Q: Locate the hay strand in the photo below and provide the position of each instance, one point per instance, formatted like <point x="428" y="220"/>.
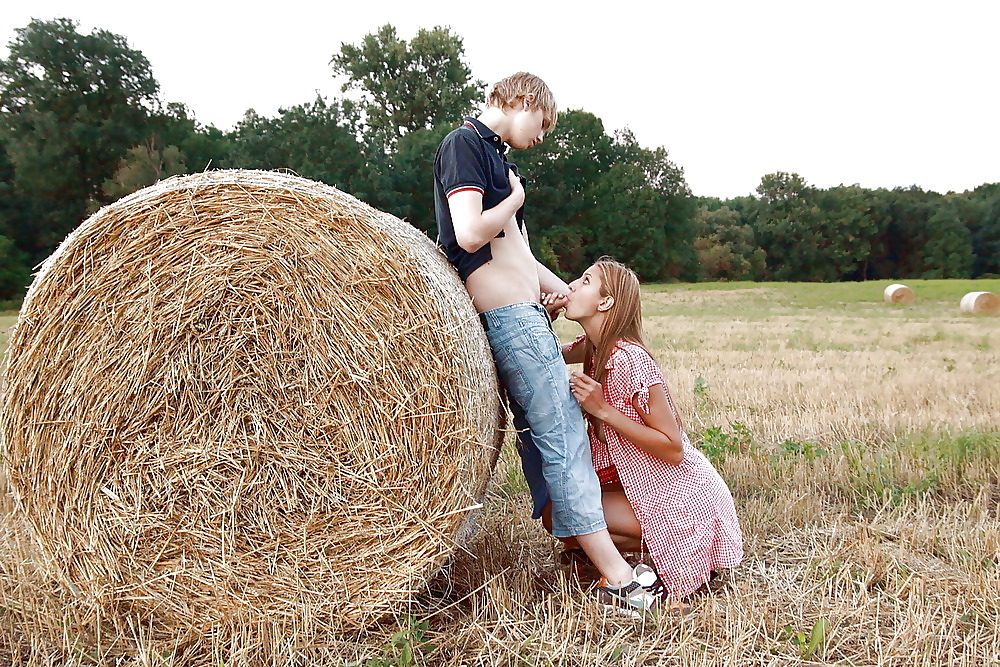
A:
<point x="242" y="399"/>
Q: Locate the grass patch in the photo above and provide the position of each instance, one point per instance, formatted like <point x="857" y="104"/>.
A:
<point x="7" y="320"/>
<point x="862" y="445"/>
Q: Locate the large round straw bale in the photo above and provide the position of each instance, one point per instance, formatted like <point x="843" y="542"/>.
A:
<point x="897" y="293"/>
<point x="246" y="395"/>
<point x="981" y="303"/>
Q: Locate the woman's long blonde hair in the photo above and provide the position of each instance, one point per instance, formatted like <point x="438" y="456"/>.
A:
<point x="624" y="319"/>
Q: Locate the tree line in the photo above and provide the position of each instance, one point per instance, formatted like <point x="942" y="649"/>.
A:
<point x="82" y="123"/>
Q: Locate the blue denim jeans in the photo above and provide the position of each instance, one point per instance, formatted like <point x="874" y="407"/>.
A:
<point x="552" y="435"/>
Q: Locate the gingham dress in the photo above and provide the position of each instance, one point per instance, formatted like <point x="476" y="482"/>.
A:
<point x="685" y="510"/>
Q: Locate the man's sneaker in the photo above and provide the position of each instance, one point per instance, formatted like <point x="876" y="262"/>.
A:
<point x="637" y="597"/>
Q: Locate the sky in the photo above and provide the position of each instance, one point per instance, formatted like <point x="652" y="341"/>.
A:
<point x="882" y="93"/>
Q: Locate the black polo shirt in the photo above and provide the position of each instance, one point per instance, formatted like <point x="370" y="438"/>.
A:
<point x="472" y="157"/>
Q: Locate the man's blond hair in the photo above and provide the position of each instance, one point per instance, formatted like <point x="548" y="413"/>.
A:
<point x="509" y="91"/>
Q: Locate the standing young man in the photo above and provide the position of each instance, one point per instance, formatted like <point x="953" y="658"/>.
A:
<point x="479" y="198"/>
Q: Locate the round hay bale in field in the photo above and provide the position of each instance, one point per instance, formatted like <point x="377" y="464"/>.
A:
<point x="897" y="293"/>
<point x="242" y="395"/>
<point x="980" y="303"/>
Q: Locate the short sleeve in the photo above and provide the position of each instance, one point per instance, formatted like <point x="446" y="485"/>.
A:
<point x="459" y="164"/>
<point x="634" y="373"/>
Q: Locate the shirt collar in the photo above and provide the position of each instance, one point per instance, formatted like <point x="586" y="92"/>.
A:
<point x="486" y="134"/>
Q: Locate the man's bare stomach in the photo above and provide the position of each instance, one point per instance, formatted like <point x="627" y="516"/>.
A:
<point x="510" y="277"/>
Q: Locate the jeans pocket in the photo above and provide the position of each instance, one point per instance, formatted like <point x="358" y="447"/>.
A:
<point x="543" y="341"/>
<point x="512" y="375"/>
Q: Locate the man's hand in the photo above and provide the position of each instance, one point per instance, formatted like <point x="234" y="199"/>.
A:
<point x="516" y="189"/>
<point x="554" y="303"/>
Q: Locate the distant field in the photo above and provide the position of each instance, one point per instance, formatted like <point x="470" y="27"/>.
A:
<point x="7" y="320"/>
<point x="862" y="444"/>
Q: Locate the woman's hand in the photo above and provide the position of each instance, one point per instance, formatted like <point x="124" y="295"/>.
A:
<point x="588" y="393"/>
<point x="554" y="303"/>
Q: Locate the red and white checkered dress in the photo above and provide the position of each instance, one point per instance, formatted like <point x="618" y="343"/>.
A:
<point x="685" y="510"/>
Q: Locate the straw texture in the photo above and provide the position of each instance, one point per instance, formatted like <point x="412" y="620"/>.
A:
<point x="897" y="293"/>
<point x="980" y="303"/>
<point x="245" y="399"/>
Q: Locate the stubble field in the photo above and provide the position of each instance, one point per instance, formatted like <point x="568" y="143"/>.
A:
<point x="862" y="445"/>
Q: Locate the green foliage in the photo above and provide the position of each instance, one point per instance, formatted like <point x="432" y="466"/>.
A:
<point x="727" y="249"/>
<point x="791" y="451"/>
<point x="716" y="444"/>
<point x="15" y="272"/>
<point x="406" y="86"/>
<point x="70" y="106"/>
<point x="808" y="646"/>
<point x="848" y="229"/>
<point x="702" y="399"/>
<point x="625" y="220"/>
<point x="561" y="172"/>
<point x="508" y="470"/>
<point x="785" y="222"/>
<point x="948" y="253"/>
<point x="592" y="194"/>
<point x="14" y="209"/>
<point x="399" y="181"/>
<point x="315" y="140"/>
<point x="200" y="147"/>
<point x="918" y="465"/>
<point x="81" y="124"/>
<point x="810" y="234"/>
<point x="850" y="233"/>
<point x="809" y="451"/>
<point x="907" y="232"/>
<point x="985" y="232"/>
<point x="407" y="646"/>
<point x="142" y="166"/>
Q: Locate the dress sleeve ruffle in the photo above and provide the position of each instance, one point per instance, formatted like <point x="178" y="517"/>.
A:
<point x="634" y="373"/>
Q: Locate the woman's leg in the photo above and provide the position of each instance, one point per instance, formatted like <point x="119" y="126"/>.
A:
<point x="622" y="522"/>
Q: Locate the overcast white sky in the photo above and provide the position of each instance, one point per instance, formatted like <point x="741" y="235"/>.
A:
<point x="883" y="93"/>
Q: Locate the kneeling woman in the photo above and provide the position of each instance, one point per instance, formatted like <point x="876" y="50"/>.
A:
<point x="658" y="490"/>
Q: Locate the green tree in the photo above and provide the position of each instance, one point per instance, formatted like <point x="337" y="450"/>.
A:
<point x="71" y="105"/>
<point x="986" y="240"/>
<point x="14" y="272"/>
<point x="14" y="265"/>
<point x="849" y="229"/>
<point x="592" y="194"/>
<point x="812" y="234"/>
<point x="315" y="140"/>
<point x="785" y="222"/>
<point x="201" y="147"/>
<point x="626" y="222"/>
<point x="782" y="190"/>
<point x="560" y="198"/>
<point x="948" y="253"/>
<point x="726" y="246"/>
<point x="980" y="213"/>
<point x="142" y="166"/>
<point x="905" y="232"/>
<point x="679" y="258"/>
<point x="407" y="86"/>
<point x="402" y="181"/>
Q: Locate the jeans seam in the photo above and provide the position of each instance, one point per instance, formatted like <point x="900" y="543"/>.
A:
<point x="584" y="514"/>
